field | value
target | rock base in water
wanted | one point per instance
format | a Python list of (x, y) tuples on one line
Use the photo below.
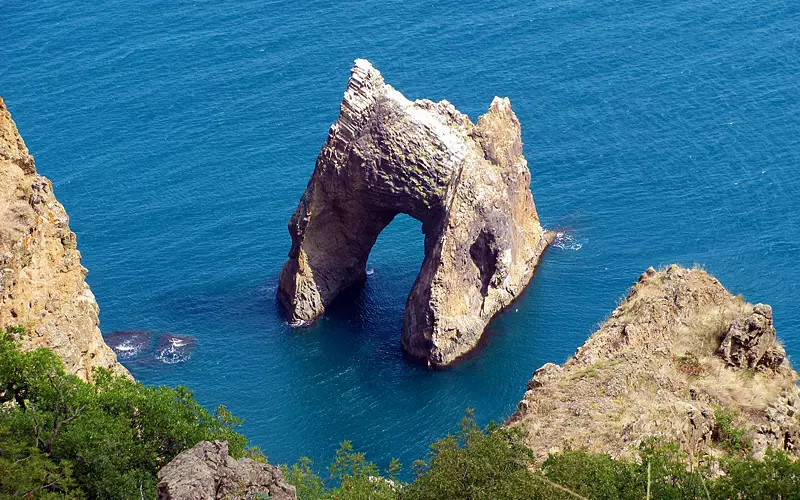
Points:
[(468, 184)]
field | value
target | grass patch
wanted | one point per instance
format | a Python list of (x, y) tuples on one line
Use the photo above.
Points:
[(734, 439)]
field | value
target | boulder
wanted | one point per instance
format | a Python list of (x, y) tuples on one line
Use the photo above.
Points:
[(750, 343), (207, 472)]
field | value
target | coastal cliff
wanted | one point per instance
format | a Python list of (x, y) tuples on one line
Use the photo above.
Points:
[(469, 185), (42, 281), (680, 358)]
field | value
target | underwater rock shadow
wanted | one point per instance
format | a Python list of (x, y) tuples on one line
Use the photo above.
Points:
[(135, 347)]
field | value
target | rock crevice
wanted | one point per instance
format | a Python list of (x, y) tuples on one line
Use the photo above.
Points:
[(467, 183)]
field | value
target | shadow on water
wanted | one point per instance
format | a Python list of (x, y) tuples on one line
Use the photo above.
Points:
[(352, 306)]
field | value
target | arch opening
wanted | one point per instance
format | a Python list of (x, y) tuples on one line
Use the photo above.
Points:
[(469, 186)]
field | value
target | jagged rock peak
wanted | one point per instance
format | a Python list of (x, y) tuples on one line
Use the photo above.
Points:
[(467, 183), (678, 348), (42, 284), (207, 472)]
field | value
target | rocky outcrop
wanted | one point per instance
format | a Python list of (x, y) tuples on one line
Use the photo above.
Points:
[(41, 277), (676, 352), (750, 343), (467, 183), (207, 472)]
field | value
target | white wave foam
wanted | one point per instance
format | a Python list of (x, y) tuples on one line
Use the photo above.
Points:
[(565, 241), (298, 323)]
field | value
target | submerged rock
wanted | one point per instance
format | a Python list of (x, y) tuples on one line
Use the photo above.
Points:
[(664, 364), (207, 472), (467, 183), (129, 344), (42, 281), (174, 349)]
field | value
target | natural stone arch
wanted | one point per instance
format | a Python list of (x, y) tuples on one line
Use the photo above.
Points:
[(467, 183)]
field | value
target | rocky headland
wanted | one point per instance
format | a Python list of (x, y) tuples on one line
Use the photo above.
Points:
[(42, 281), (678, 353), (469, 185)]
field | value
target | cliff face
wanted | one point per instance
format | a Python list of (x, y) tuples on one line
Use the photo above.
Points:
[(677, 349), (41, 278), (467, 183)]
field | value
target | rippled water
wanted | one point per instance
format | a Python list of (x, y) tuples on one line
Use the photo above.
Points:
[(180, 136)]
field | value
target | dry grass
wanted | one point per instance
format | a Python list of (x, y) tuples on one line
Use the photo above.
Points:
[(650, 370)]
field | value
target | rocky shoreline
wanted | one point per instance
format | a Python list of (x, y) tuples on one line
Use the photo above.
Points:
[(675, 355), (678, 351)]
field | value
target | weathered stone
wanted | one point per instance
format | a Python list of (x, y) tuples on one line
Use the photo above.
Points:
[(467, 183), (548, 371), (650, 370), (42, 284), (750, 342), (207, 472)]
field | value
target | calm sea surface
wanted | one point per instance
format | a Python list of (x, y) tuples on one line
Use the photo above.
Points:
[(180, 135)]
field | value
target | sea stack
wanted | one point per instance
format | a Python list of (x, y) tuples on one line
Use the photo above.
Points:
[(469, 185)]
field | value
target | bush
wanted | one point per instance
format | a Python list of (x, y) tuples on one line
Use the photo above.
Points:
[(61, 438), (733, 438), (493, 463), (354, 478), (101, 440), (476, 464)]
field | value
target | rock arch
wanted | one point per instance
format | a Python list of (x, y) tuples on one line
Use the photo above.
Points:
[(467, 183)]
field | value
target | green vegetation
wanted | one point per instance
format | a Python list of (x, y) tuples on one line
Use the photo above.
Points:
[(733, 439), (63, 438), (493, 463)]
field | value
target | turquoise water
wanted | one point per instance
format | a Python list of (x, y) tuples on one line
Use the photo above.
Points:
[(180, 136)]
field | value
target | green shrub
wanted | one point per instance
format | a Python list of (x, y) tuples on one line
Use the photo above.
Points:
[(477, 464), (61, 438), (103, 440), (732, 438)]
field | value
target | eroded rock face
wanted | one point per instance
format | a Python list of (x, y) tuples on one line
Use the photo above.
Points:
[(467, 183), (207, 472), (750, 342), (672, 353), (42, 282)]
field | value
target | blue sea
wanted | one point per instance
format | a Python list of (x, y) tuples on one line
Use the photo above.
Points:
[(180, 136)]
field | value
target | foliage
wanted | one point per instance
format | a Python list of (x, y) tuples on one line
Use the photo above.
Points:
[(494, 464), (63, 438), (778, 476), (733, 438), (474, 464), (689, 364), (101, 440), (302, 475), (354, 477), (26, 472)]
